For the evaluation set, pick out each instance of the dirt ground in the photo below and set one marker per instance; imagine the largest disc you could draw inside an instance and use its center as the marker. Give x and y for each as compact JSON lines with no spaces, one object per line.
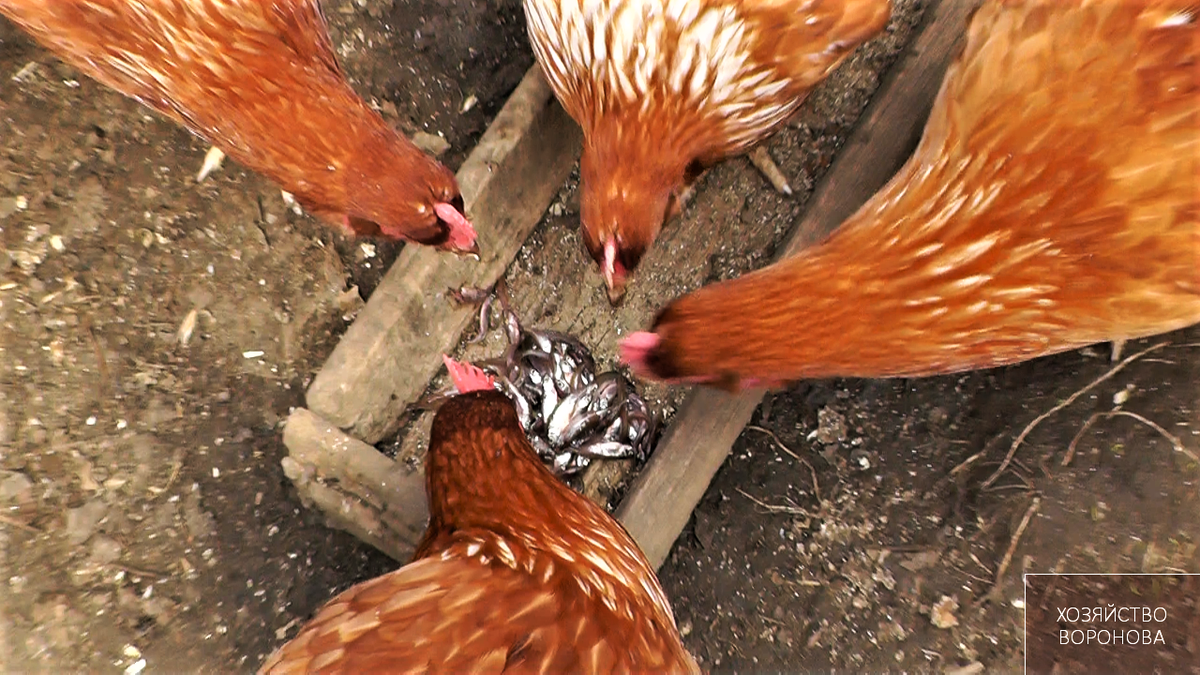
{"x":145,"y":511}
{"x":838,"y":551}
{"x":145,"y":515}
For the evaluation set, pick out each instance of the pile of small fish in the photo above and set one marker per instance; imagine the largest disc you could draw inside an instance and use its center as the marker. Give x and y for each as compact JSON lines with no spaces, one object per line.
{"x":570,"y":414}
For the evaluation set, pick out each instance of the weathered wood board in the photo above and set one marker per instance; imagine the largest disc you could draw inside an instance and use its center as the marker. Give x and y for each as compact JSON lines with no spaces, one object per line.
{"x":375,"y":498}
{"x":388,"y":355}
{"x":728,"y":230}
{"x":664,"y":494}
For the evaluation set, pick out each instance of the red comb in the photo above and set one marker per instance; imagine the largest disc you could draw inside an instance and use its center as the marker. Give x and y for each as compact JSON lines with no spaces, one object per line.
{"x":467,"y":377}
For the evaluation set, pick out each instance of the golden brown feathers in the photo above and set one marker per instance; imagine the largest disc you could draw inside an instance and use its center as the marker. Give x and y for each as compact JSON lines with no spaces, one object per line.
{"x":516,"y":573}
{"x":1052,"y":203}
{"x":258,"y":78}
{"x":663,"y":88}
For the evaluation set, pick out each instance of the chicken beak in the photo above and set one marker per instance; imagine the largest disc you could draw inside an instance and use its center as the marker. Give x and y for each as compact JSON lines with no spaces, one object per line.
{"x":470,"y":252}
{"x":616,"y":294}
{"x":463,"y":239}
{"x":615,"y":283}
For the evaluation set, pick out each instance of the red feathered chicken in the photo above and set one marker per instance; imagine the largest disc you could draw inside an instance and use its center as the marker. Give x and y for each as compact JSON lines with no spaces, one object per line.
{"x":665,"y":88}
{"x":1053,"y":202}
{"x":259,"y":80}
{"x":516,"y":573}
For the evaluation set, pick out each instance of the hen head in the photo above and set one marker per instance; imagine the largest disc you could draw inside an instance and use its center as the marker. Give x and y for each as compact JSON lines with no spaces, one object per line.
{"x":380,"y":185}
{"x":408,"y":198}
{"x":624,"y":204}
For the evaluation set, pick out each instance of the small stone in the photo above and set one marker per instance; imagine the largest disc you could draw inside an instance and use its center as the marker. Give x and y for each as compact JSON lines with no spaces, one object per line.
{"x":938,"y":416}
{"x":349,"y":301}
{"x":199,"y":523}
{"x":704,"y":529}
{"x":861,"y":459}
{"x":15,"y":488}
{"x":105,"y":550}
{"x":157,"y":412}
{"x":36,"y":435}
{"x":831,"y":426}
{"x":431,"y":143}
{"x":920,"y":561}
{"x":8,"y":206}
{"x":942,"y":615}
{"x":281,"y":633}
{"x":82,"y":521}
{"x":7,"y":433}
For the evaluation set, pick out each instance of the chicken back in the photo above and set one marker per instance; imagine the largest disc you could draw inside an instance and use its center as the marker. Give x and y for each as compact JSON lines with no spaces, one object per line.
{"x":258,"y":79}
{"x":516,"y":571}
{"x":1052,"y":203}
{"x":664,"y":88}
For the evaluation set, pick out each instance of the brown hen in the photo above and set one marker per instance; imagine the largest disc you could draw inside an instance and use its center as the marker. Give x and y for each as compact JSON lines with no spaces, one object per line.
{"x":516,"y":572}
{"x":1053,"y":202}
{"x":665,"y":88}
{"x":259,"y":80}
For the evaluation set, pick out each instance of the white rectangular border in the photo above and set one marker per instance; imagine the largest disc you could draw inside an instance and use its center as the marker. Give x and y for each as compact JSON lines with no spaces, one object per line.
{"x":1025,"y":597}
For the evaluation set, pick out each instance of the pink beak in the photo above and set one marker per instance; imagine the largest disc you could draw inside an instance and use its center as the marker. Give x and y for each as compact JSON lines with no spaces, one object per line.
{"x":613,"y":279}
{"x":609,"y":267}
{"x":462,"y":234}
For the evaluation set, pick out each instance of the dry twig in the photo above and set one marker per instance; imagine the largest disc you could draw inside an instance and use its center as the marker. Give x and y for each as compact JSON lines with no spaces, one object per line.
{"x":1012,"y":547}
{"x":1175,"y":442}
{"x":1012,"y":451}
{"x":773,"y":508}
{"x":812,"y":472}
{"x":139,"y":571}
{"x":9,"y":520}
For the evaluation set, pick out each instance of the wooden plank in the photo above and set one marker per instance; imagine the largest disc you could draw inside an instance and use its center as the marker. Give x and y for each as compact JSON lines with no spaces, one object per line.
{"x":378,"y":500}
{"x":387,"y":357}
{"x":662,"y":497}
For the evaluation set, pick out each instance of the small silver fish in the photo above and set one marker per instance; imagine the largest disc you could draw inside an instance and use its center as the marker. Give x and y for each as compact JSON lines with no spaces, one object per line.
{"x":570,"y":414}
{"x":583,"y":424}
{"x":574,"y":404}
{"x":550,"y":397}
{"x":605,"y":450}
{"x":506,"y":387}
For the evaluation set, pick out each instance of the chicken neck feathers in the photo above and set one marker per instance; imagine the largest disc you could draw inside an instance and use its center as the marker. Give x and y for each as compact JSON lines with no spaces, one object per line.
{"x":1051,"y":204}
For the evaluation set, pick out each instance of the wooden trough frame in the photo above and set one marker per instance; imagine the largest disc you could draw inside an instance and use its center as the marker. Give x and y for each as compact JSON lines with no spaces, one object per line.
{"x":388,"y":356}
